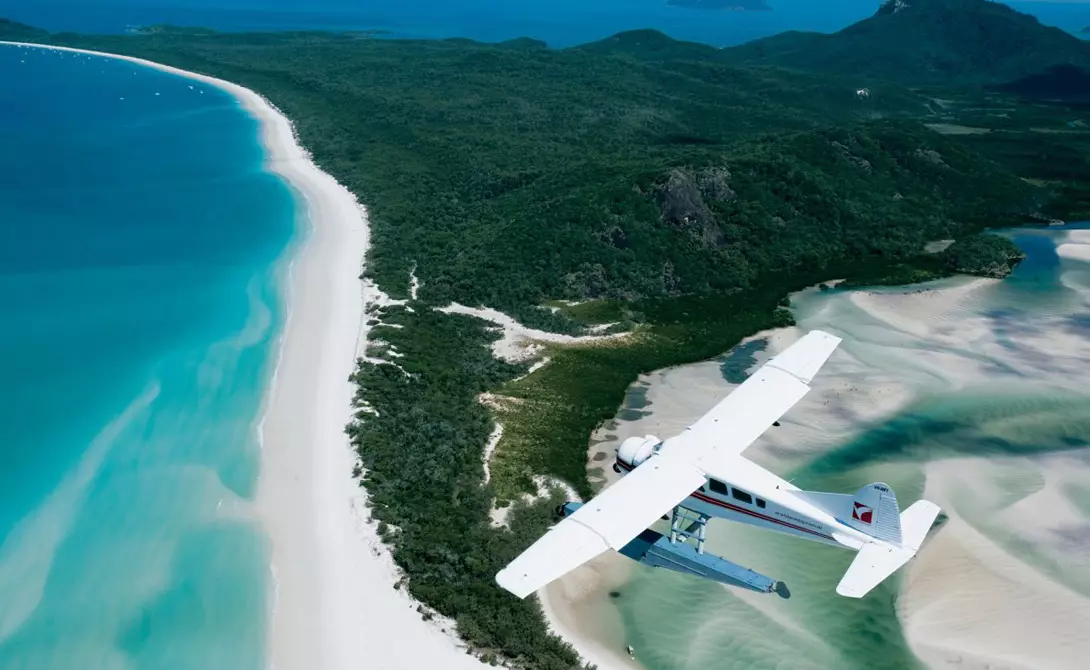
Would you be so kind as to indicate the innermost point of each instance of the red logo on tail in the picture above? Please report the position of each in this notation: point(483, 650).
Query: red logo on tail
point(862, 513)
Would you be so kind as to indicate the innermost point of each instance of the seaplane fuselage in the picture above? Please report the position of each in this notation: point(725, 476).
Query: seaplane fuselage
point(744, 492)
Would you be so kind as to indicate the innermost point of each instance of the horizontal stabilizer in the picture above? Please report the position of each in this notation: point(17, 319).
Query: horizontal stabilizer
point(871, 566)
point(878, 560)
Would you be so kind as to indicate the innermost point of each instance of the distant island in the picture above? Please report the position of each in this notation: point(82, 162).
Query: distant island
point(728, 5)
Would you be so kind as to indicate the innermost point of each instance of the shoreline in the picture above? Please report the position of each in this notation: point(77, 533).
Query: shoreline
point(577, 610)
point(332, 595)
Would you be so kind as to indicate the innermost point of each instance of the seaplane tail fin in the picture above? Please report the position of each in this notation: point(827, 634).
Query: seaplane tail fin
point(874, 511)
point(878, 560)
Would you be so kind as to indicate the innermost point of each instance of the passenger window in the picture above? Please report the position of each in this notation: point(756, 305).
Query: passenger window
point(743, 496)
point(760, 503)
point(718, 487)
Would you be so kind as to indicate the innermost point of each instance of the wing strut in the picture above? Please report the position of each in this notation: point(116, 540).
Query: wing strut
point(685, 525)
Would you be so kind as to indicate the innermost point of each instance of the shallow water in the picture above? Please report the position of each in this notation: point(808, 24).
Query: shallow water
point(978, 391)
point(140, 241)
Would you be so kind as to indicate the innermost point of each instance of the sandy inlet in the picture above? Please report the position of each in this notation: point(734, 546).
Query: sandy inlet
point(519, 343)
point(971, 392)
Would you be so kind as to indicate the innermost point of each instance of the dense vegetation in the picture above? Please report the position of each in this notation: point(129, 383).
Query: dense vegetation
point(1063, 83)
point(422, 451)
point(677, 186)
point(985, 254)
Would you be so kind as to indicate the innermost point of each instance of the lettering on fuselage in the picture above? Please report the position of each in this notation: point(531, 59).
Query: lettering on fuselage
point(799, 520)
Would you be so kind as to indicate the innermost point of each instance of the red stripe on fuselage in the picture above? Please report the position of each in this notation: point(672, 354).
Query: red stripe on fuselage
point(741, 510)
point(763, 517)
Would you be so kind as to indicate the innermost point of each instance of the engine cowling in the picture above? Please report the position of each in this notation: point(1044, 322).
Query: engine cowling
point(636, 450)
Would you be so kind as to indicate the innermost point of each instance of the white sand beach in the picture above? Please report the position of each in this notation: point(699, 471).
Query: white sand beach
point(334, 601)
point(578, 610)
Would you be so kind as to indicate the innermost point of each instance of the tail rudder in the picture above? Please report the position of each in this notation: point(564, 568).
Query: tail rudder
point(916, 521)
point(874, 511)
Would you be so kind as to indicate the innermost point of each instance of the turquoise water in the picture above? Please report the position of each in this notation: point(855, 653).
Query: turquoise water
point(139, 239)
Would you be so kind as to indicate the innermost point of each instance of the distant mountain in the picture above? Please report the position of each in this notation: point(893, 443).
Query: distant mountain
point(18, 32)
point(730, 5)
point(919, 42)
point(650, 44)
point(525, 43)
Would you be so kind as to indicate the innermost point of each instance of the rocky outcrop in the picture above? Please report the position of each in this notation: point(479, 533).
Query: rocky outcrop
point(683, 200)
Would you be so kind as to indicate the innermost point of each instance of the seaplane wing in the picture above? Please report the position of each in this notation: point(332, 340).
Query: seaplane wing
point(624, 510)
point(744, 415)
point(609, 521)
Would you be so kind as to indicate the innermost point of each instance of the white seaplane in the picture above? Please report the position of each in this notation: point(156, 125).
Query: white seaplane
point(700, 474)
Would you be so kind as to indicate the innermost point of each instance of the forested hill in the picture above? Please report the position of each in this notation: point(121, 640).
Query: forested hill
point(510, 174)
point(919, 42)
point(19, 32)
point(649, 44)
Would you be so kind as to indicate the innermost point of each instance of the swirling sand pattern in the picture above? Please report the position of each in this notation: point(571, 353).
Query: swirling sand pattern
point(971, 392)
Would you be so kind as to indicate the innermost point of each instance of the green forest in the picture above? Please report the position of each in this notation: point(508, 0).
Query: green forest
point(512, 174)
point(680, 190)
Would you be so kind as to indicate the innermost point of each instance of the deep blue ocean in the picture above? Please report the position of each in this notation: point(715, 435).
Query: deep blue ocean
point(139, 240)
point(561, 23)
